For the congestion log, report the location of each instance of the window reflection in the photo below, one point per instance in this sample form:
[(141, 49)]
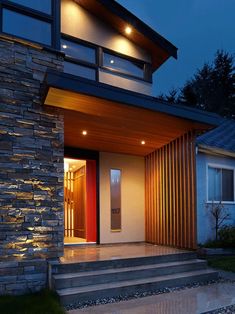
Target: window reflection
[(79, 70), (78, 51), (123, 65), (42, 6), (115, 189), (26, 27)]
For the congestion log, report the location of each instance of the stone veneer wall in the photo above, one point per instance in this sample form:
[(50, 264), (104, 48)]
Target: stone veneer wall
[(31, 169)]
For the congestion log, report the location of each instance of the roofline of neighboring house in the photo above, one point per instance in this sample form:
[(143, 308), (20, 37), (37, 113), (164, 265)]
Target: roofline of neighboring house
[(80, 85), (117, 9), (215, 151)]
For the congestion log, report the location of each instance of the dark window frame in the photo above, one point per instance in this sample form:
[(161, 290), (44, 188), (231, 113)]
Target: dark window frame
[(53, 19), (221, 168), (99, 60), (94, 66)]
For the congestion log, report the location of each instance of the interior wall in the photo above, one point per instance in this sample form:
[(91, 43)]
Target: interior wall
[(132, 198)]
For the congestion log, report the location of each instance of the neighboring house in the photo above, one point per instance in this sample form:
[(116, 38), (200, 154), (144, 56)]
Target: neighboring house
[(215, 177), (86, 153)]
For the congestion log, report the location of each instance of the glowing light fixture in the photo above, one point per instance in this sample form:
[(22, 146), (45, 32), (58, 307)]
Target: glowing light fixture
[(64, 46), (112, 61), (128, 30), (84, 132), (142, 142)]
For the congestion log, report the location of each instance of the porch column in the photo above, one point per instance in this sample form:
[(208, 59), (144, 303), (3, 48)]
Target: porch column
[(171, 194)]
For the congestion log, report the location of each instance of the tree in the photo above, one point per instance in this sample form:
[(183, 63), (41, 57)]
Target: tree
[(219, 214), (212, 88)]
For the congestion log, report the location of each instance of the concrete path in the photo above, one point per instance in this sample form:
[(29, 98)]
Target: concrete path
[(193, 301)]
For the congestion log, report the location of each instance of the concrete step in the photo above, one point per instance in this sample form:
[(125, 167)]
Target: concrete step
[(79, 279), (105, 290), (119, 263)]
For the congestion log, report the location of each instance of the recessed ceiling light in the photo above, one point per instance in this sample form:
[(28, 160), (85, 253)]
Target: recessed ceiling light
[(64, 46), (142, 142), (84, 132), (128, 30)]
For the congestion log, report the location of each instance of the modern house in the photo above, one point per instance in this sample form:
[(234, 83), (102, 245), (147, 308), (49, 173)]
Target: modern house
[(215, 177), (87, 154)]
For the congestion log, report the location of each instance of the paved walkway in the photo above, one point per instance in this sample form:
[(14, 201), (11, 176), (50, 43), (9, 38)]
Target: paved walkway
[(188, 301)]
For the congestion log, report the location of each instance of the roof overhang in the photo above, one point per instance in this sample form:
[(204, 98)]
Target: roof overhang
[(215, 151), (117, 120), (118, 17)]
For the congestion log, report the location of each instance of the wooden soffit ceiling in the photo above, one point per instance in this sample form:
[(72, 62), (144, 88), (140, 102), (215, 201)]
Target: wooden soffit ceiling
[(112, 126)]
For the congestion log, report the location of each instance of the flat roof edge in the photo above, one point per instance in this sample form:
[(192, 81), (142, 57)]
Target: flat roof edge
[(76, 84)]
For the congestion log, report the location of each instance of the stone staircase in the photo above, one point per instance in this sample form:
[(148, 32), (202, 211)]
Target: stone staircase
[(88, 281)]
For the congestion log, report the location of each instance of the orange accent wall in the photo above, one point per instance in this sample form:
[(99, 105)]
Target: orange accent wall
[(91, 225)]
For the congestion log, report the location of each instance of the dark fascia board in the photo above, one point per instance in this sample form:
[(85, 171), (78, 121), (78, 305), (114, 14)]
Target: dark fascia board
[(80, 85), (143, 28), (215, 150)]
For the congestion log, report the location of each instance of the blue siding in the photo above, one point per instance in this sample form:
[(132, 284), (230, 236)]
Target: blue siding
[(205, 224)]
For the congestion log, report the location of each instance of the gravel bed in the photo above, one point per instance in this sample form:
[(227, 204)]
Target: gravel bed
[(80, 305), (224, 310)]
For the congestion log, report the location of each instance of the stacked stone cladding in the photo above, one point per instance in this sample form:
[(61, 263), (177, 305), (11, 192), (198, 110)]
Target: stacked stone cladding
[(31, 168)]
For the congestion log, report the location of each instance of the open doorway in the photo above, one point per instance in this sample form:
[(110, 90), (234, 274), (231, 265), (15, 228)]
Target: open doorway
[(79, 201)]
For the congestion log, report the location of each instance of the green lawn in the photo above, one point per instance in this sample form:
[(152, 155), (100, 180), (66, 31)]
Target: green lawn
[(225, 263), (44, 302)]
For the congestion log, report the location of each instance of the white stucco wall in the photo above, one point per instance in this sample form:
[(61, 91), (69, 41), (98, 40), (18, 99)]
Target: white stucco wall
[(132, 198), (205, 223), (78, 22)]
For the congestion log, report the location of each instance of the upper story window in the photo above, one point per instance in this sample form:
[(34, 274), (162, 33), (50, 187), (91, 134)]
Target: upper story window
[(31, 20), (220, 184), (85, 59), (78, 51), (39, 5), (80, 58), (123, 65), (27, 27)]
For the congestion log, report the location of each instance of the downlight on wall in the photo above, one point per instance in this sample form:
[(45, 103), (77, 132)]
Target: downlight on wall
[(128, 30)]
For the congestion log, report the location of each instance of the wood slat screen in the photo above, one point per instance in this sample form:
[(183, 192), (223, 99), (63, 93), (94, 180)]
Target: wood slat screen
[(170, 194)]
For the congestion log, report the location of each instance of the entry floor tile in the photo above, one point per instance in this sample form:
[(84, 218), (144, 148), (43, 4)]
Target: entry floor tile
[(76, 254), (188, 301)]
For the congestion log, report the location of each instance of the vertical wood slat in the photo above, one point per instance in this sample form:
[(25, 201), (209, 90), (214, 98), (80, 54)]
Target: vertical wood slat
[(170, 194)]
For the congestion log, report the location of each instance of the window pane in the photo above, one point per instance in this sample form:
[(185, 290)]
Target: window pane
[(214, 184), (39, 5), (77, 51), (227, 185), (79, 70), (115, 189), (27, 27), (123, 65)]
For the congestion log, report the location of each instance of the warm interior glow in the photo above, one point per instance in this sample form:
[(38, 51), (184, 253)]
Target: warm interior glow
[(142, 142), (128, 30), (84, 132)]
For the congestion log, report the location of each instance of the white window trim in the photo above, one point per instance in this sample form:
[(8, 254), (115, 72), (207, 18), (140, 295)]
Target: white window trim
[(220, 166)]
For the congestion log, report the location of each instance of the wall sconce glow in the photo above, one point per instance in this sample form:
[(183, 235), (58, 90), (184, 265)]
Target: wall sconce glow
[(84, 132), (128, 30), (64, 46), (142, 142)]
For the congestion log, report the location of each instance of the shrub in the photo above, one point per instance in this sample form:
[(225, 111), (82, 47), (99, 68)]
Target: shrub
[(227, 236)]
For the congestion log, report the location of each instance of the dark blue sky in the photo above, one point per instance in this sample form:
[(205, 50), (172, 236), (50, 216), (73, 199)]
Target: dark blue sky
[(196, 27)]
